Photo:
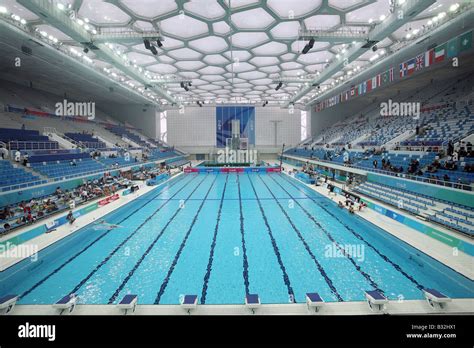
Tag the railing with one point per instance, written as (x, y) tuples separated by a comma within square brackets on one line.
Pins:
[(22, 185), (32, 145), (460, 186)]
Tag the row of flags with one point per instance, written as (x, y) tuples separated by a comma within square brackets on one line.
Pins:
[(435, 55), (438, 54), (356, 90)]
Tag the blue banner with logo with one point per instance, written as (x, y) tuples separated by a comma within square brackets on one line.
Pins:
[(224, 117)]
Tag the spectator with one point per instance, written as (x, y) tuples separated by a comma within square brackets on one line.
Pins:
[(70, 217), (17, 156)]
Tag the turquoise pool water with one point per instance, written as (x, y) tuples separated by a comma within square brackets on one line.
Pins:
[(221, 236)]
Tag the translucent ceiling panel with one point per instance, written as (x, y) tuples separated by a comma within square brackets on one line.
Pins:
[(150, 8), (372, 11), (345, 4), (13, 7), (183, 27), (322, 21), (209, 44), (205, 8), (257, 18), (99, 12), (271, 48), (216, 59), (286, 30), (248, 39), (293, 8)]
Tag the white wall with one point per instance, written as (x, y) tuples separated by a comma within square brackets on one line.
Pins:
[(288, 131), (197, 127)]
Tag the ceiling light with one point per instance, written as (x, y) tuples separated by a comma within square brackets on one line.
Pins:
[(454, 7), (61, 6), (279, 86), (382, 17)]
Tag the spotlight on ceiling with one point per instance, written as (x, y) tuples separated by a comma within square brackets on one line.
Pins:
[(199, 103), (147, 44), (374, 48), (153, 50), (308, 46), (86, 50), (279, 86), (159, 43), (265, 103)]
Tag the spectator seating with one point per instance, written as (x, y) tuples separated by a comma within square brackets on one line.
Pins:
[(15, 177), (460, 218), (20, 139), (86, 140), (65, 166)]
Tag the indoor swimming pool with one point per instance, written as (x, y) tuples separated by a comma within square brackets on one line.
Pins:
[(221, 236)]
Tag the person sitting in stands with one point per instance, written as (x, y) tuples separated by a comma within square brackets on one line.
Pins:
[(17, 156), (6, 227), (351, 209), (25, 159), (446, 177), (340, 204), (58, 191)]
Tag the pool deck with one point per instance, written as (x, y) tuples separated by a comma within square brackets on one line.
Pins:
[(15, 254), (459, 261), (412, 307)]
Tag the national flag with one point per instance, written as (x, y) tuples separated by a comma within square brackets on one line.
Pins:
[(410, 66), (360, 88), (440, 53), (352, 91), (465, 41), (369, 85), (429, 57), (385, 77), (374, 82), (391, 71), (379, 80), (364, 87), (420, 62), (453, 47), (403, 69)]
